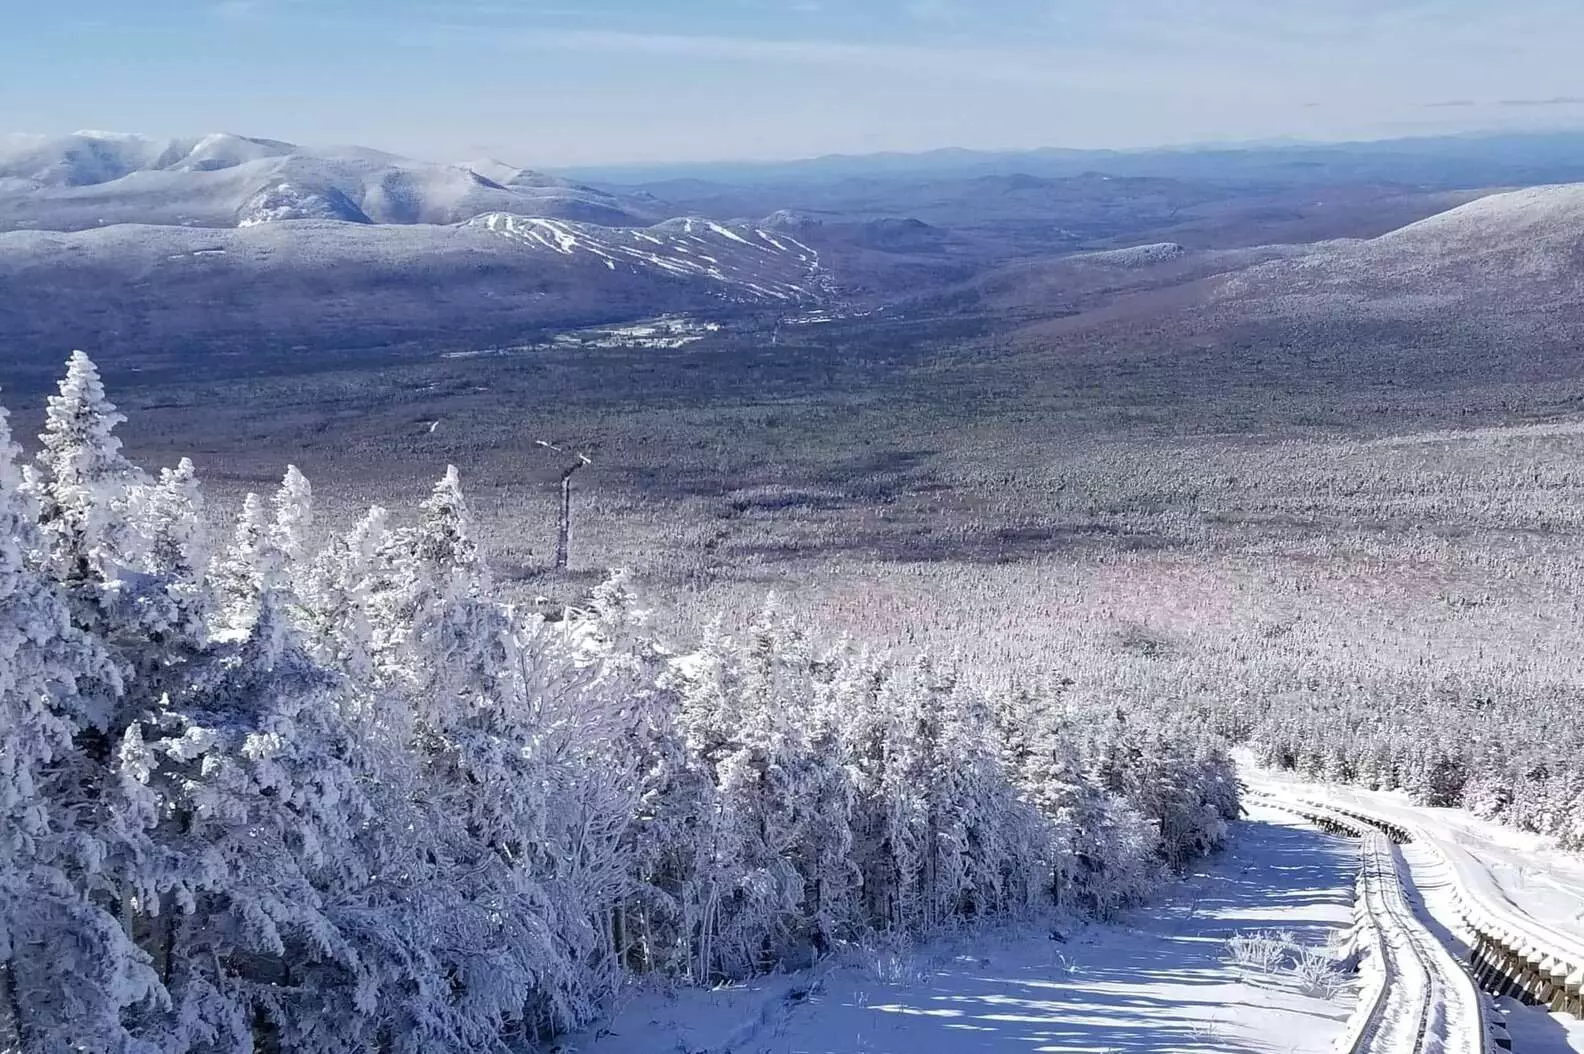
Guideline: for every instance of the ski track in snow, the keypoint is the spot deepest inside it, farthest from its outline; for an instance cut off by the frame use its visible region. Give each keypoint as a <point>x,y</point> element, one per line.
<point>1156,981</point>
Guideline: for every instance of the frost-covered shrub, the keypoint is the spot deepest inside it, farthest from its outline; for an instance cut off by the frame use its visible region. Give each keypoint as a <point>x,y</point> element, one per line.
<point>1315,973</point>
<point>1277,955</point>
<point>892,962</point>
<point>1263,951</point>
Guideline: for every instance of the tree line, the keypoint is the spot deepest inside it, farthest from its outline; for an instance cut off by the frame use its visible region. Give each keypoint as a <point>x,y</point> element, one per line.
<point>1506,753</point>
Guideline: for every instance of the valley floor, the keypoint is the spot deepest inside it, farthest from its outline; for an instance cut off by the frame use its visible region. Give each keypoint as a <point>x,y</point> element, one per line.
<point>1158,981</point>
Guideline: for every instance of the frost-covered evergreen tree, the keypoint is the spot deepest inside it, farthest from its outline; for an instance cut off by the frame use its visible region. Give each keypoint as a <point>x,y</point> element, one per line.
<point>163,603</point>
<point>306,797</point>
<point>238,569</point>
<point>80,479</point>
<point>67,969</point>
<point>293,505</point>
<point>343,592</point>
<point>249,787</point>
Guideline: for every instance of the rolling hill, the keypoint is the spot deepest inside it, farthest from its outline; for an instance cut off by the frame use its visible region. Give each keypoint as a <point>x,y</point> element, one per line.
<point>1465,316</point>
<point>134,290</point>
<point>1509,253</point>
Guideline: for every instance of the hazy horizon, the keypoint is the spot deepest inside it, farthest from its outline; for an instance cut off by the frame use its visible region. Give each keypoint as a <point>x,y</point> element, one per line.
<point>728,161</point>
<point>616,82</point>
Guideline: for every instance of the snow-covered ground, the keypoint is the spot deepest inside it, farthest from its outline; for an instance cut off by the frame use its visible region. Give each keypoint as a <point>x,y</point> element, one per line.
<point>1157,981</point>
<point>1525,871</point>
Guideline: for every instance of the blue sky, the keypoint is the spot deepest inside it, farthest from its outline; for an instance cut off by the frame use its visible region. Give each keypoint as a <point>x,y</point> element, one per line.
<point>602,81</point>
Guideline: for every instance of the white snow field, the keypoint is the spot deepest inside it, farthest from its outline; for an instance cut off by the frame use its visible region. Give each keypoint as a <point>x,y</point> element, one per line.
<point>1157,981</point>
<point>1524,873</point>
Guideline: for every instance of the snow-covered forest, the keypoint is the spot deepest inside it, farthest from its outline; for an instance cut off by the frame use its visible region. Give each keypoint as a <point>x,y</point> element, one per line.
<point>292,790</point>
<point>1515,756</point>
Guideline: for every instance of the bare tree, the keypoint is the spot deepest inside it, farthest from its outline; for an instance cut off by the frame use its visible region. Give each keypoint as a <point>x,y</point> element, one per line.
<point>564,528</point>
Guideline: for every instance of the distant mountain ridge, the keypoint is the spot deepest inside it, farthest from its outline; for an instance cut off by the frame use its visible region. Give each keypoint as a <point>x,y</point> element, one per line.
<point>238,246</point>
<point>1444,161</point>
<point>132,290</point>
<point>95,179</point>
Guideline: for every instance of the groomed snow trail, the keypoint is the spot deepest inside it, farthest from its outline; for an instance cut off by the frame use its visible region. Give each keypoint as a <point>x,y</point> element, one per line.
<point>1455,854</point>
<point>1430,1004</point>
<point>1521,871</point>
<point>1157,981</point>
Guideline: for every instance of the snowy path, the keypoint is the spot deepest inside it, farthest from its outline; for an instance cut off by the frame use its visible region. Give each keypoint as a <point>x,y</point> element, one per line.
<point>1430,1002</point>
<point>1157,982</point>
<point>1522,872</point>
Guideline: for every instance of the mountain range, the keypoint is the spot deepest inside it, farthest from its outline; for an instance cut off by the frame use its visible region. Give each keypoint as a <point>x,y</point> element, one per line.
<point>232,246</point>
<point>124,243</point>
<point>1442,161</point>
<point>94,179</point>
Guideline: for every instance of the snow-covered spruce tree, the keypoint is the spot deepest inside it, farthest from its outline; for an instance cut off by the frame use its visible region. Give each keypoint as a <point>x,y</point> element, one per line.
<point>683,862</point>
<point>1075,766</point>
<point>495,710</point>
<point>1045,766</point>
<point>80,480</point>
<point>961,842</point>
<point>673,808</point>
<point>833,882</point>
<point>236,572</point>
<point>81,485</point>
<point>1185,787</point>
<point>760,871</point>
<point>750,890</point>
<point>785,674</point>
<point>884,804</point>
<point>276,535</point>
<point>115,546</point>
<point>251,785</point>
<point>342,591</point>
<point>293,506</point>
<point>162,605</point>
<point>67,970</point>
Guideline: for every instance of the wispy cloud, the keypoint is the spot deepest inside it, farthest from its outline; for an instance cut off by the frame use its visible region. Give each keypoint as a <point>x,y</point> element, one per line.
<point>946,63</point>
<point>319,12</point>
<point>1555,100</point>
<point>236,10</point>
<point>933,11</point>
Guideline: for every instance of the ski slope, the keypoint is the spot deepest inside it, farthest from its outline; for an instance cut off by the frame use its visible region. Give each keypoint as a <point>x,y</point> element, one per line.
<point>770,265</point>
<point>1157,981</point>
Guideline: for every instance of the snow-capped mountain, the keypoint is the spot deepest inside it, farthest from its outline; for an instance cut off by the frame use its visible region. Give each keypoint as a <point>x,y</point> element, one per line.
<point>118,241</point>
<point>95,179</point>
